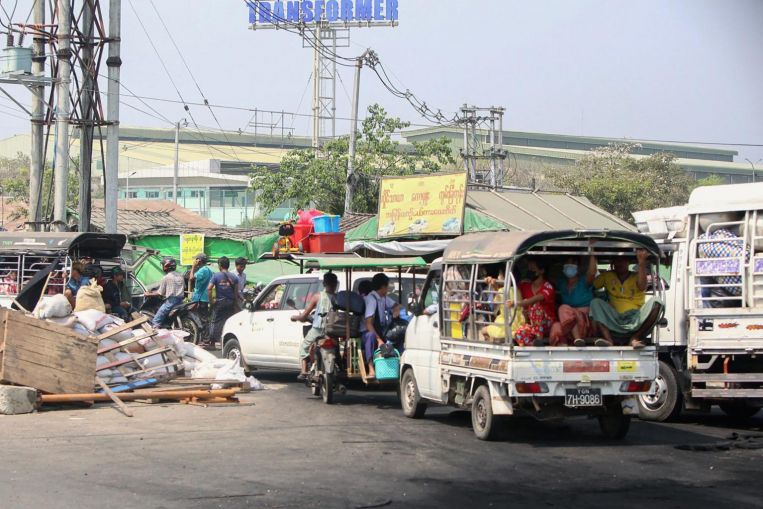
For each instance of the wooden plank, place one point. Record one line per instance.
(46, 356)
(130, 396)
(126, 342)
(124, 327)
(114, 397)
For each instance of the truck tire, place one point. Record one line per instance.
(667, 400)
(614, 424)
(739, 409)
(486, 425)
(410, 399)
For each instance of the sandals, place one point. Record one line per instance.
(602, 342)
(637, 344)
(580, 342)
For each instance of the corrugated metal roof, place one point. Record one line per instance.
(526, 210)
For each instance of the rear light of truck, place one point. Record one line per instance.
(635, 386)
(531, 388)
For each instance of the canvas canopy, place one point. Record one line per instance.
(501, 246)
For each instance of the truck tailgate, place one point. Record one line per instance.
(559, 367)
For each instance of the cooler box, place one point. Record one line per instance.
(326, 242)
(302, 234)
(326, 224)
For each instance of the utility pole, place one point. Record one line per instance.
(63, 114)
(176, 167)
(37, 156)
(473, 151)
(87, 117)
(111, 168)
(350, 185)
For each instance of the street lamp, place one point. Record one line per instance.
(754, 176)
(127, 187)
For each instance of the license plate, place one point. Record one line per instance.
(583, 397)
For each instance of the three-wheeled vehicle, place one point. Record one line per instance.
(450, 360)
(45, 259)
(264, 336)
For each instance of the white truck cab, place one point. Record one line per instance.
(711, 349)
(447, 361)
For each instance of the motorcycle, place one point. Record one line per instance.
(324, 368)
(184, 317)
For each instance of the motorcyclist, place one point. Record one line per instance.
(171, 288)
(321, 303)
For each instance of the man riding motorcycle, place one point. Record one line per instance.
(171, 288)
(321, 303)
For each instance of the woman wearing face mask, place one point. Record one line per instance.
(538, 304)
(576, 295)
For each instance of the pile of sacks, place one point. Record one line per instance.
(196, 362)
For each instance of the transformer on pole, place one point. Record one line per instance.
(483, 142)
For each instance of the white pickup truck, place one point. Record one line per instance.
(711, 348)
(447, 361)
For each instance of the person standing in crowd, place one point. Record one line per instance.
(225, 286)
(172, 288)
(116, 296)
(241, 263)
(201, 274)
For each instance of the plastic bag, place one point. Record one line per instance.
(56, 306)
(89, 297)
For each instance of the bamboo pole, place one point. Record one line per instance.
(132, 396)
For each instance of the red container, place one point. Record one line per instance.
(326, 242)
(302, 234)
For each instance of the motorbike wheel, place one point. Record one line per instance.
(327, 388)
(187, 324)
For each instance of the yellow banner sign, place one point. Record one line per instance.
(422, 206)
(191, 244)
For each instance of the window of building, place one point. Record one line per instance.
(132, 195)
(152, 195)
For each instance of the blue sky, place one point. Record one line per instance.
(683, 70)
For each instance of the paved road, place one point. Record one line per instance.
(285, 449)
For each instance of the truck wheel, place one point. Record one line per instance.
(327, 388)
(666, 401)
(739, 409)
(614, 424)
(486, 425)
(410, 399)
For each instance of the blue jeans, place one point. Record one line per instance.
(161, 314)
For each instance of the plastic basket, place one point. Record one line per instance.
(387, 368)
(326, 224)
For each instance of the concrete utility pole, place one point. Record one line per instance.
(111, 168)
(63, 114)
(176, 167)
(350, 185)
(473, 152)
(38, 119)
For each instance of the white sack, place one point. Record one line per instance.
(92, 319)
(56, 306)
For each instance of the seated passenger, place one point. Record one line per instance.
(380, 310)
(575, 293)
(116, 296)
(539, 306)
(496, 333)
(625, 315)
(76, 281)
(9, 284)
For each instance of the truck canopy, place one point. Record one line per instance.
(97, 245)
(730, 198)
(338, 263)
(500, 246)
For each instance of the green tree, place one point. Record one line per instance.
(14, 180)
(307, 177)
(621, 184)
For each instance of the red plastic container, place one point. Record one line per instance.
(326, 242)
(302, 234)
